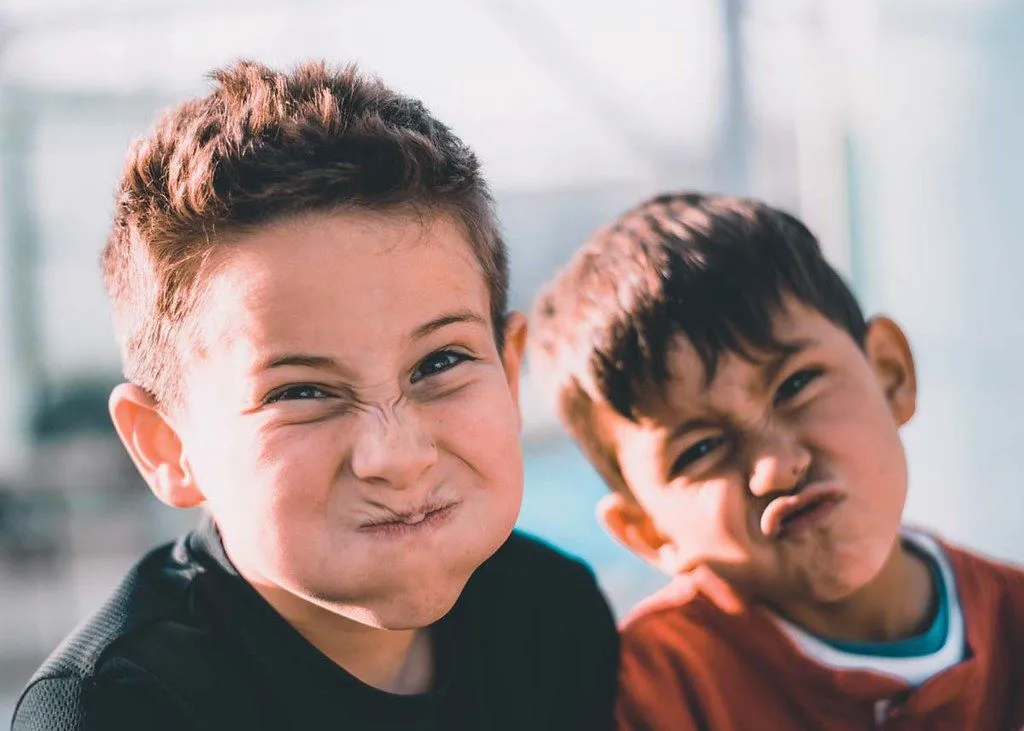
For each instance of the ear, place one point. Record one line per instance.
(512, 352)
(890, 356)
(154, 446)
(628, 523)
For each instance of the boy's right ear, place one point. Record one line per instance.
(154, 446)
(630, 525)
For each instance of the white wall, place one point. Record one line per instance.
(938, 181)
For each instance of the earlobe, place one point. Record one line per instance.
(154, 446)
(890, 356)
(628, 523)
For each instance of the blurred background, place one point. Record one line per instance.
(891, 126)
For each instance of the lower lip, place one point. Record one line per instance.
(809, 519)
(395, 531)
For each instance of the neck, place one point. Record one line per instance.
(898, 603)
(395, 661)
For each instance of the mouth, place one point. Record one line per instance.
(795, 514)
(404, 524)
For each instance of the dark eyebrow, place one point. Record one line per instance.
(451, 318)
(787, 350)
(304, 360)
(689, 425)
(323, 362)
(772, 366)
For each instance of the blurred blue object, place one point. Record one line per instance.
(561, 492)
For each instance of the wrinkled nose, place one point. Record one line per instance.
(392, 449)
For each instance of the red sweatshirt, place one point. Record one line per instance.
(697, 656)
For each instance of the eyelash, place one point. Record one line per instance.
(282, 395)
(698, 451)
(293, 393)
(789, 389)
(796, 383)
(456, 356)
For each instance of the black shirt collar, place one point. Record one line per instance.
(285, 659)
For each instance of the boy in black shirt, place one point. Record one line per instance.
(309, 290)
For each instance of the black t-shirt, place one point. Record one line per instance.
(187, 644)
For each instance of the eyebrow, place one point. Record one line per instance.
(700, 422)
(789, 349)
(305, 360)
(772, 367)
(323, 362)
(451, 318)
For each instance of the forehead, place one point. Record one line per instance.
(331, 282)
(737, 379)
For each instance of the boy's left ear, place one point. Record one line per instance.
(890, 356)
(512, 351)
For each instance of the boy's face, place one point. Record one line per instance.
(785, 476)
(349, 420)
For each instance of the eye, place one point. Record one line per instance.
(299, 392)
(698, 451)
(795, 384)
(436, 363)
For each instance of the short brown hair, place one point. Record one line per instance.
(711, 268)
(261, 146)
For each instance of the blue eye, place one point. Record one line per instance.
(698, 451)
(301, 392)
(795, 384)
(438, 362)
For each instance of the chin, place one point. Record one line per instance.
(415, 612)
(848, 573)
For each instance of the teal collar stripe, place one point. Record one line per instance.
(926, 643)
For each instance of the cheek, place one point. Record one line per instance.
(264, 483)
(480, 427)
(860, 443)
(710, 521)
(861, 436)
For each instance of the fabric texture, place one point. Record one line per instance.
(185, 643)
(697, 655)
(916, 659)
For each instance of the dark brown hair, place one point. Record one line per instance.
(261, 146)
(710, 268)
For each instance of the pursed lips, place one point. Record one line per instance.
(805, 506)
(409, 517)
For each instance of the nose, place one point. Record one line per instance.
(778, 464)
(392, 449)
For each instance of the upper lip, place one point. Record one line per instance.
(781, 508)
(409, 516)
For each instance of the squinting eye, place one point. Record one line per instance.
(302, 392)
(795, 384)
(438, 362)
(699, 450)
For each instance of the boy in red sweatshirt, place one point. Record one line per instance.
(722, 378)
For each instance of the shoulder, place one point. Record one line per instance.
(126, 698)
(530, 564)
(541, 597)
(542, 633)
(991, 588)
(991, 595)
(136, 647)
(981, 578)
(149, 592)
(685, 609)
(672, 643)
(695, 627)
